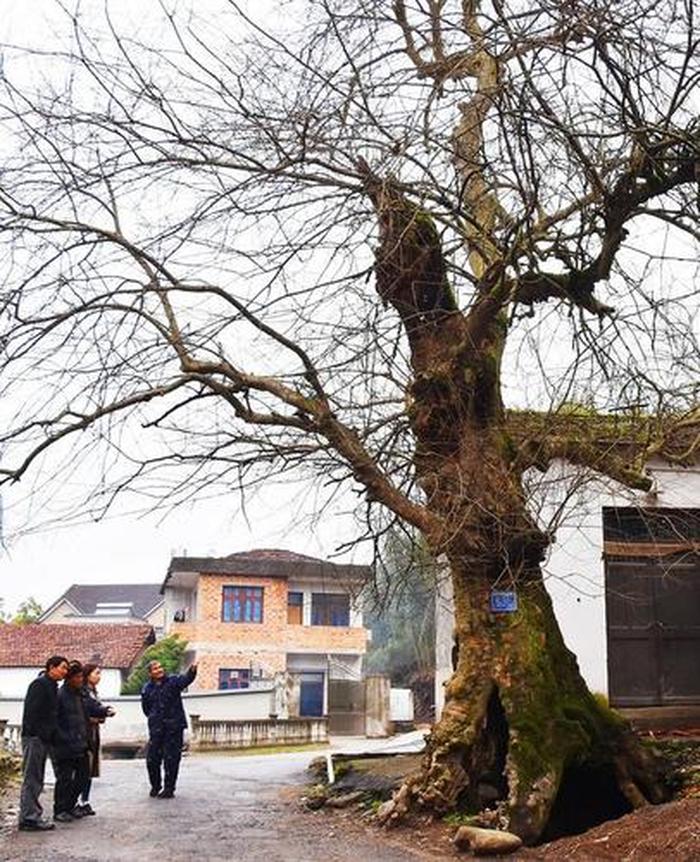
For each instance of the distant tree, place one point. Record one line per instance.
(168, 651)
(28, 611)
(400, 611)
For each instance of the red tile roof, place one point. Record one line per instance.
(107, 644)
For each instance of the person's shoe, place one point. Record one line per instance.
(63, 817)
(36, 825)
(155, 791)
(88, 810)
(78, 812)
(166, 794)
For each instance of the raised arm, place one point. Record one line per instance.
(185, 679)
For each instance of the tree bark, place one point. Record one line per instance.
(519, 722)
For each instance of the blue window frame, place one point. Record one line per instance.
(242, 605)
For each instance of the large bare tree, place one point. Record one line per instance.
(331, 237)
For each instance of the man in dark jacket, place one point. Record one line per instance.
(161, 701)
(71, 746)
(38, 732)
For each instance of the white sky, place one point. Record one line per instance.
(126, 548)
(129, 549)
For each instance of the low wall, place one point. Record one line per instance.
(128, 726)
(221, 735)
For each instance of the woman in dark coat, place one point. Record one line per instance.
(96, 712)
(71, 761)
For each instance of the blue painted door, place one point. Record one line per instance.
(311, 695)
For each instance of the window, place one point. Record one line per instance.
(242, 605)
(330, 609)
(234, 678)
(295, 609)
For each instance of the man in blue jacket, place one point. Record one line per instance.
(161, 701)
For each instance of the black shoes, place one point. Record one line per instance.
(87, 810)
(63, 817)
(36, 825)
(166, 794)
(78, 812)
(155, 791)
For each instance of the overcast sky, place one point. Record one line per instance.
(137, 549)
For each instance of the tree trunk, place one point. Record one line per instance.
(520, 730)
(519, 725)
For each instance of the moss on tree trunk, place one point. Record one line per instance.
(520, 727)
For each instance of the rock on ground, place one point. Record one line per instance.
(486, 842)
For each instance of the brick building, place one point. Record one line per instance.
(254, 615)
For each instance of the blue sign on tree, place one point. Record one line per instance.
(503, 602)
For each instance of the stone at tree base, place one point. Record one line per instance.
(486, 842)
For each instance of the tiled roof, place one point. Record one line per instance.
(270, 563)
(107, 644)
(273, 554)
(85, 597)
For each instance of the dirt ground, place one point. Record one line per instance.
(661, 833)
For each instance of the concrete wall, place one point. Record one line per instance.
(63, 612)
(129, 724)
(401, 700)
(222, 735)
(444, 625)
(15, 680)
(574, 569)
(157, 619)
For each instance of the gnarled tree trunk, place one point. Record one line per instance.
(519, 724)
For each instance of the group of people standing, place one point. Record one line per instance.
(63, 725)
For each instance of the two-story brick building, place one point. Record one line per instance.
(253, 615)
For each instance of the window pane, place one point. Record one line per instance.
(234, 678)
(242, 604)
(295, 609)
(329, 609)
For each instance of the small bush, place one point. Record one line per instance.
(168, 651)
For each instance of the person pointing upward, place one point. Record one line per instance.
(161, 701)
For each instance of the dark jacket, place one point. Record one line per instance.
(96, 714)
(41, 709)
(72, 736)
(162, 702)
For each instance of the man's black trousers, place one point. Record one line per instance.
(164, 748)
(71, 776)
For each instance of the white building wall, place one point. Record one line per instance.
(310, 586)
(62, 613)
(14, 681)
(574, 569)
(129, 723)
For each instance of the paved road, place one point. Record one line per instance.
(226, 808)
